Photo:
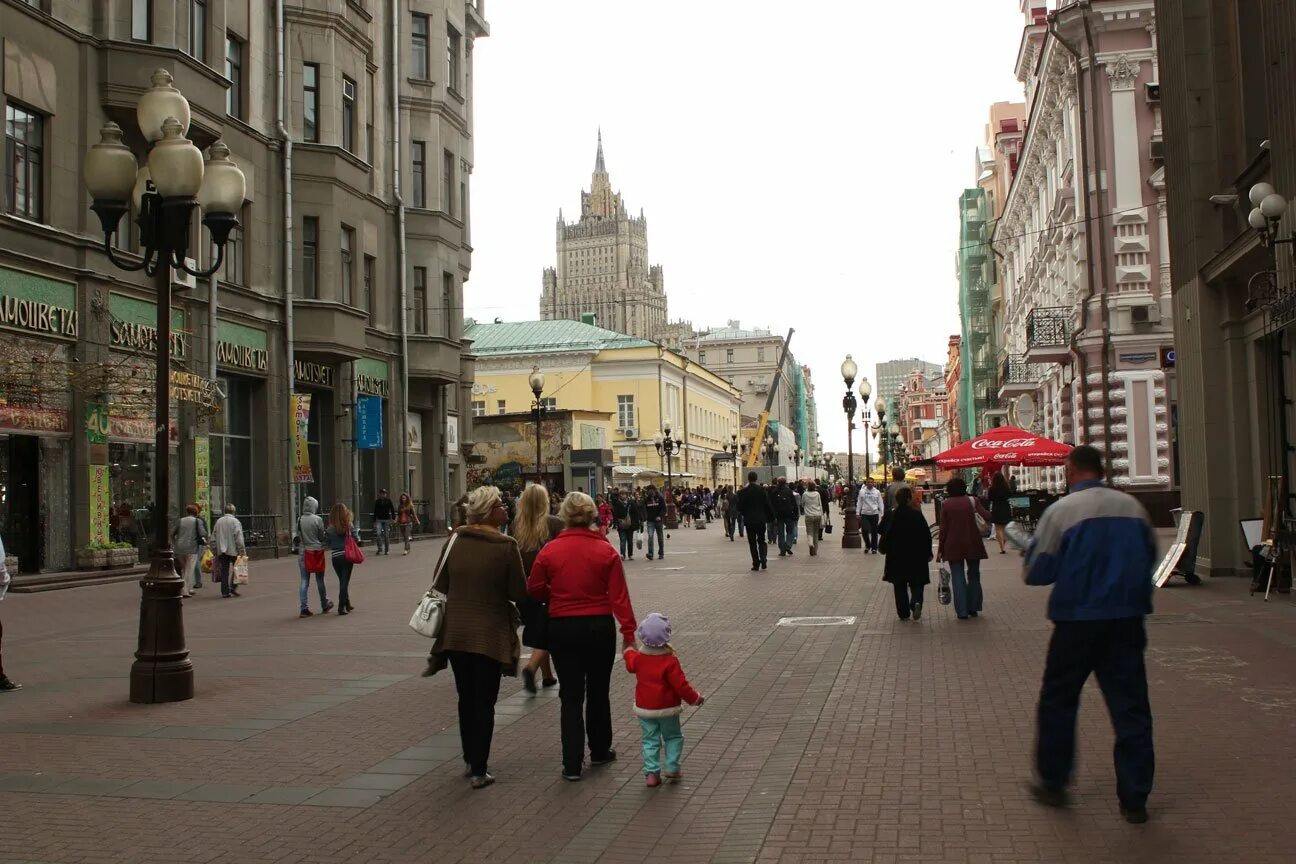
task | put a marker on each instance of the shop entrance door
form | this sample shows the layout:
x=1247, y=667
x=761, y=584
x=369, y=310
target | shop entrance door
x=23, y=532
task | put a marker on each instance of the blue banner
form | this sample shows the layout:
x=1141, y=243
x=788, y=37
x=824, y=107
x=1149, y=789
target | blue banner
x=369, y=428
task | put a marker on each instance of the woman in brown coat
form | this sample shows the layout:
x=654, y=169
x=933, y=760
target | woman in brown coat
x=482, y=578
x=960, y=543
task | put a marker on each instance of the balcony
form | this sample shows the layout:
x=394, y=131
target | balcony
x=1019, y=377
x=1048, y=335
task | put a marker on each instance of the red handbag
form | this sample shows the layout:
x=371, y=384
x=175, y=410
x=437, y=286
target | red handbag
x=351, y=549
x=315, y=560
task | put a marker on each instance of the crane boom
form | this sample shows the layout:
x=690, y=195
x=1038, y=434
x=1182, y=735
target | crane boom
x=753, y=456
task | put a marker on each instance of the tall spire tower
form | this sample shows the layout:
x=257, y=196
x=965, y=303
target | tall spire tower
x=603, y=269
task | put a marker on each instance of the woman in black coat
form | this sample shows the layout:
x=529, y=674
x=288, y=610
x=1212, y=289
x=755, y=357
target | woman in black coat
x=908, y=547
x=1000, y=506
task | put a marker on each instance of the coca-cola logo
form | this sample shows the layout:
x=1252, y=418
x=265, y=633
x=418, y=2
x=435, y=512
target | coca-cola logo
x=1007, y=444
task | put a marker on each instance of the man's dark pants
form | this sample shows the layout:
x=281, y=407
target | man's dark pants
x=756, y=542
x=1113, y=651
x=869, y=527
x=583, y=649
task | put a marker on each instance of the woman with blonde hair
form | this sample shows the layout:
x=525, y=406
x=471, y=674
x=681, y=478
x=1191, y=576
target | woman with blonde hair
x=579, y=575
x=480, y=573
x=341, y=526
x=532, y=528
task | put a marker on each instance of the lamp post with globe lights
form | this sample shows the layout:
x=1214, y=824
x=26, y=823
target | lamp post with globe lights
x=865, y=391
x=1267, y=211
x=536, y=380
x=879, y=431
x=796, y=460
x=850, y=518
x=165, y=192
x=734, y=449
x=667, y=446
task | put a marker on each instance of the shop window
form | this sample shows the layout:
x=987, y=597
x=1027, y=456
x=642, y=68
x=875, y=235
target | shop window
x=231, y=449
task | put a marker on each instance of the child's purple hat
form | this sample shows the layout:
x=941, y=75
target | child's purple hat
x=655, y=630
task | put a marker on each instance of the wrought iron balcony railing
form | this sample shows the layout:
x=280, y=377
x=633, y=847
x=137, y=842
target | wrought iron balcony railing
x=1017, y=371
x=1048, y=326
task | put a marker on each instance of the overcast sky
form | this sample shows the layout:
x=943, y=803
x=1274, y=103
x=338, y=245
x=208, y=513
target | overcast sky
x=799, y=164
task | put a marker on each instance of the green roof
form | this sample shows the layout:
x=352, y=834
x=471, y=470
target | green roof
x=536, y=337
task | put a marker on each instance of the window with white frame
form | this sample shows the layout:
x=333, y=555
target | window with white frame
x=625, y=412
x=549, y=403
x=479, y=408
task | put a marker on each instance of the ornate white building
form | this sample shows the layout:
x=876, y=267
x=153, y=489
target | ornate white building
x=602, y=275
x=1083, y=240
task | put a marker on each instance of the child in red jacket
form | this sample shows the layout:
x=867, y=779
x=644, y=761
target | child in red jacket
x=660, y=689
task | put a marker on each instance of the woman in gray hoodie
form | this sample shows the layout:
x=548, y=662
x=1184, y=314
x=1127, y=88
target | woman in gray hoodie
x=309, y=537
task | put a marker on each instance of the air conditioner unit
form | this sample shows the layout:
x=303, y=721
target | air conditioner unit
x=181, y=279
x=1149, y=314
x=1153, y=91
x=630, y=432
x=1156, y=150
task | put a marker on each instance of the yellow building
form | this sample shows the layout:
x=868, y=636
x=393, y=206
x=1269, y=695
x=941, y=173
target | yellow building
x=641, y=384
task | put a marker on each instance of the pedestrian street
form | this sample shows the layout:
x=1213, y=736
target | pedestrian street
x=855, y=737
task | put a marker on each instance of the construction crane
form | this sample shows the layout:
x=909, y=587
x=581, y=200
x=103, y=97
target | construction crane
x=753, y=456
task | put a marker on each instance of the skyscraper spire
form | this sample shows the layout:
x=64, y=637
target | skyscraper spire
x=598, y=160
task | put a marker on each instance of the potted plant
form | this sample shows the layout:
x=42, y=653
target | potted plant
x=93, y=556
x=122, y=554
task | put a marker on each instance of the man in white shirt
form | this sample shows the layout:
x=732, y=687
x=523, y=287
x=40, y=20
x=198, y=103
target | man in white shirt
x=812, y=504
x=869, y=508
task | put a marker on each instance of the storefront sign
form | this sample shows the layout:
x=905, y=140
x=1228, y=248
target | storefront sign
x=37, y=305
x=134, y=326
x=372, y=377
x=100, y=500
x=307, y=372
x=452, y=435
x=368, y=429
x=96, y=423
x=1167, y=358
x=414, y=432
x=1137, y=357
x=188, y=387
x=241, y=347
x=137, y=429
x=301, y=408
x=202, y=476
x=34, y=419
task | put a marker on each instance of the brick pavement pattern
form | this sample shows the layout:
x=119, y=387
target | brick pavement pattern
x=316, y=741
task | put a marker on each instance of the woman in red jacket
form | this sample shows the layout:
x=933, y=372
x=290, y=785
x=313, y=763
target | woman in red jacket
x=961, y=544
x=579, y=575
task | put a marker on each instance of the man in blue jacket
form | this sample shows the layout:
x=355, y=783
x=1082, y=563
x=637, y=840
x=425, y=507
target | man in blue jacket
x=1097, y=549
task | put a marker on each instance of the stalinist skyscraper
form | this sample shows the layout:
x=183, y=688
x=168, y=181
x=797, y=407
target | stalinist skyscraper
x=603, y=268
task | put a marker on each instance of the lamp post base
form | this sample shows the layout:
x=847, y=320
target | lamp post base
x=162, y=671
x=851, y=538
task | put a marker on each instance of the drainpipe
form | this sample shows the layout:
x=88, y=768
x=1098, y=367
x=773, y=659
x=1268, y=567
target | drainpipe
x=281, y=130
x=393, y=12
x=1076, y=353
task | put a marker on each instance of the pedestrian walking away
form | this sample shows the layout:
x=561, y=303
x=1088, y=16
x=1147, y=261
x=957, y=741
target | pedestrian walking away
x=580, y=576
x=626, y=520
x=311, y=541
x=888, y=497
x=227, y=538
x=6, y=684
x=1000, y=507
x=384, y=511
x=1097, y=548
x=654, y=514
x=407, y=519
x=813, y=506
x=960, y=543
x=188, y=539
x=341, y=528
x=482, y=578
x=533, y=528
x=660, y=691
x=908, y=547
x=869, y=507
x=754, y=507
x=786, y=513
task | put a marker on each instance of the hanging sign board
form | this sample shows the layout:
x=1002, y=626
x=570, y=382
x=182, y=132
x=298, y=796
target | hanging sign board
x=301, y=408
x=368, y=428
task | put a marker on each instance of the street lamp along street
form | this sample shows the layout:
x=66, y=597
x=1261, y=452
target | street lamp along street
x=667, y=447
x=165, y=193
x=850, y=518
x=536, y=381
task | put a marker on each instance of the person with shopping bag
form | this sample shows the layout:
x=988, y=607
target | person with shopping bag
x=227, y=538
x=961, y=543
x=310, y=540
x=188, y=539
x=342, y=540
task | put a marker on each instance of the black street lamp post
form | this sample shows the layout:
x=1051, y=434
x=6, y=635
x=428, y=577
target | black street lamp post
x=850, y=533
x=734, y=448
x=796, y=460
x=537, y=382
x=668, y=446
x=166, y=191
x=771, y=454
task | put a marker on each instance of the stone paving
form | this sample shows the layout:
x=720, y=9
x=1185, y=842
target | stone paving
x=316, y=740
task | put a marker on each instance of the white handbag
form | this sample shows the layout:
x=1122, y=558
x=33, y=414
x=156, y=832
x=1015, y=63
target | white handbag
x=429, y=615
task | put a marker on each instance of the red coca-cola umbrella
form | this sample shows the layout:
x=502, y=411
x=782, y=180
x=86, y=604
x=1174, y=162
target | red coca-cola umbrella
x=1003, y=446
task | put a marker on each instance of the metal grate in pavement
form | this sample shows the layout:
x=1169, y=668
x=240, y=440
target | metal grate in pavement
x=817, y=621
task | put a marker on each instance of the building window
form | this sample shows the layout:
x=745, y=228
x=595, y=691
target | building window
x=368, y=288
x=419, y=300
x=348, y=114
x=447, y=182
x=142, y=20
x=625, y=412
x=310, y=262
x=24, y=161
x=419, y=47
x=234, y=72
x=198, y=30
x=310, y=102
x=729, y=356
x=760, y=355
x=702, y=357
x=418, y=174
x=232, y=266
x=369, y=122
x=499, y=407
x=347, y=244
x=549, y=403
x=452, y=58
x=447, y=302
x=479, y=408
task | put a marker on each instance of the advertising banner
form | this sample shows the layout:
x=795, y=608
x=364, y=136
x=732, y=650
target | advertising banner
x=301, y=407
x=100, y=500
x=202, y=476
x=368, y=428
x=414, y=432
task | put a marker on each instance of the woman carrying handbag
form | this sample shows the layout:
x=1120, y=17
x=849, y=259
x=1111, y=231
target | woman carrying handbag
x=343, y=543
x=961, y=544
